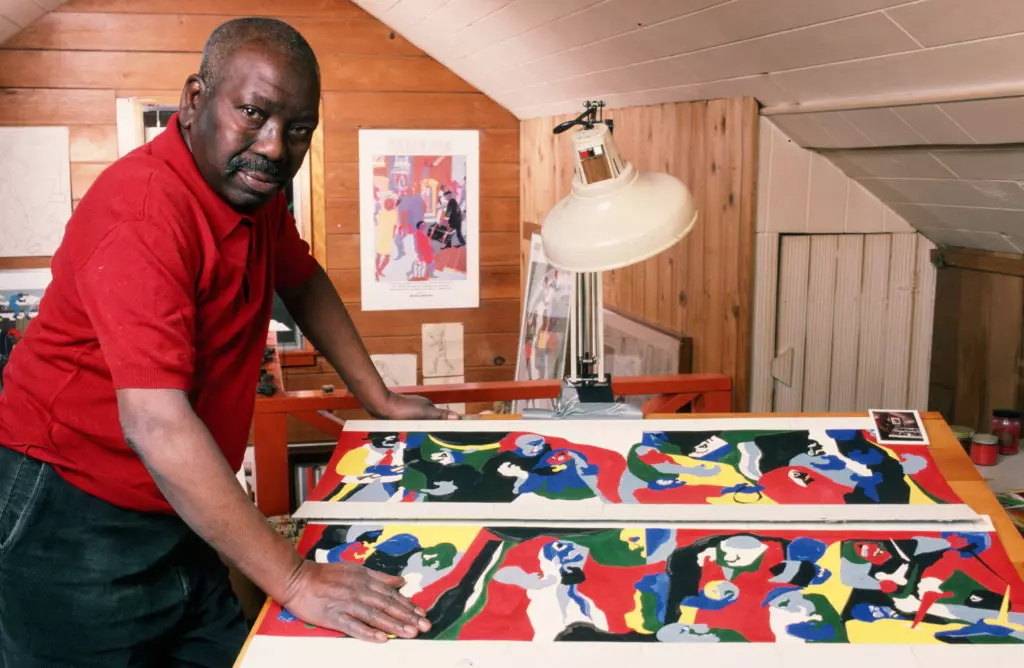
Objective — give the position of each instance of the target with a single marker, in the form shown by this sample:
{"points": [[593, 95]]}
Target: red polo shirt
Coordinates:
{"points": [[158, 283]]}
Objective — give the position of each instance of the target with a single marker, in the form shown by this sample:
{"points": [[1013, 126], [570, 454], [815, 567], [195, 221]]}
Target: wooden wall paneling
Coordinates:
{"points": [[766, 286], [95, 69], [942, 369], [820, 312], [91, 31], [972, 348], [324, 9], [93, 143], [692, 295], [1004, 328], [899, 318], [83, 174], [923, 319], [51, 106], [660, 305], [715, 231], [688, 147], [748, 197], [493, 315], [794, 268], [396, 110], [496, 145], [871, 359], [846, 323]]}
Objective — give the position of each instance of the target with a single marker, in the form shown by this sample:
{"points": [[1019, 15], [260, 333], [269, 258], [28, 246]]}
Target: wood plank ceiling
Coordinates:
{"points": [[919, 101]]}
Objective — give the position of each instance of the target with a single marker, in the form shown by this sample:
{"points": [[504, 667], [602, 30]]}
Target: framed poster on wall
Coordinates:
{"points": [[419, 219]]}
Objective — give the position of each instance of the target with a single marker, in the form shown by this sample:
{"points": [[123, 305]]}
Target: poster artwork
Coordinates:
{"points": [[658, 585], [419, 219], [21, 293], [747, 467], [544, 328]]}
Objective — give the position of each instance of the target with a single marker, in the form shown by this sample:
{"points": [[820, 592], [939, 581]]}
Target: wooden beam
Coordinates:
{"points": [[979, 260]]}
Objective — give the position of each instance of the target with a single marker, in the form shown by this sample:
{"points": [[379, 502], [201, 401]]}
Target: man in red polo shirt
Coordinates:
{"points": [[127, 404]]}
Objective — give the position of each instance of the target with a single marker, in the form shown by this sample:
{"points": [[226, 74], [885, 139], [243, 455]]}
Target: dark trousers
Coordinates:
{"points": [[87, 584]]}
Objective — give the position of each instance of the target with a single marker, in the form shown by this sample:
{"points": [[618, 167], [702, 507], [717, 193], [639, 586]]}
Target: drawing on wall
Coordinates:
{"points": [[35, 190], [442, 350], [895, 427], [21, 292], [419, 219], [396, 370], [660, 585], [544, 325], [451, 380], [529, 463]]}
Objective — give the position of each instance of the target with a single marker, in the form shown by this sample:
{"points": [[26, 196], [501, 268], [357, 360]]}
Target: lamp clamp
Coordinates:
{"points": [[593, 114]]}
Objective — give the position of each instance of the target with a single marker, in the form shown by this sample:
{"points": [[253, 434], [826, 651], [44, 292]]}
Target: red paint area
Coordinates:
{"points": [[782, 488]]}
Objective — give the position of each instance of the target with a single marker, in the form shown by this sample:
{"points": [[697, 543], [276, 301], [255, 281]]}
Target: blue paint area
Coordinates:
{"points": [[869, 485], [653, 439], [656, 584], [742, 488], [828, 463], [285, 616], [702, 602], [806, 549], [656, 538], [841, 434], [399, 544], [968, 543], [867, 612], [811, 631], [554, 483], [665, 483], [979, 628]]}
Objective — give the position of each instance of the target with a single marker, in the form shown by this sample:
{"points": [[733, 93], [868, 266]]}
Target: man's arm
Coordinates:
{"points": [[323, 319], [190, 470]]}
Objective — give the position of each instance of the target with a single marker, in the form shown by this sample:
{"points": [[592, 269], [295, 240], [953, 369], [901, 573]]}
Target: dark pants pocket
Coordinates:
{"points": [[21, 481]]}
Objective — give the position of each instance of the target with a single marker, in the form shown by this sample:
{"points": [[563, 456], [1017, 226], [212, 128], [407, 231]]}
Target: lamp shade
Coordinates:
{"points": [[615, 216]]}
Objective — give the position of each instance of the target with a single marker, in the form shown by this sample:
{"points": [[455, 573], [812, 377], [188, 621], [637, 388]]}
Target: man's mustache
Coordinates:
{"points": [[253, 164]]}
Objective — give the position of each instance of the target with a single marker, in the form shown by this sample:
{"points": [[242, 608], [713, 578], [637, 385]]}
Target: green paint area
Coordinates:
{"points": [[608, 549]]}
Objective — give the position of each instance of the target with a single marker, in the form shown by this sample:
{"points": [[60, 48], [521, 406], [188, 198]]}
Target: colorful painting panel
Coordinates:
{"points": [[651, 585], [753, 466]]}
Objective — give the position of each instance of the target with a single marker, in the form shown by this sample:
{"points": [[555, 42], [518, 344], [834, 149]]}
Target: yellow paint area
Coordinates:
{"points": [[635, 618], [687, 615], [463, 448], [894, 632], [636, 539], [1004, 614], [352, 463], [459, 536], [832, 589]]}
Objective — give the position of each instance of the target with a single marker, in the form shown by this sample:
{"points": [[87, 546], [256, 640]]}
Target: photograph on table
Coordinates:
{"points": [[21, 293], [419, 219], [745, 461], [544, 325], [663, 585], [899, 426]]}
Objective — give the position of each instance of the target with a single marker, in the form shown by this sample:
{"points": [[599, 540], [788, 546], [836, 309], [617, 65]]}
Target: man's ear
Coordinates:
{"points": [[191, 97]]}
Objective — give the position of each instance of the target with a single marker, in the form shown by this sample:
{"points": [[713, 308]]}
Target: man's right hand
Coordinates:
{"points": [[354, 600]]}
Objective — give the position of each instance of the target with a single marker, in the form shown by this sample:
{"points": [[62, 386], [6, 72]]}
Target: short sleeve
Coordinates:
{"points": [[138, 291], [293, 262]]}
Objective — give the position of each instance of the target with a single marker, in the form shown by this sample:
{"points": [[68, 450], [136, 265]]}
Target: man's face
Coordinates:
{"points": [[250, 134]]}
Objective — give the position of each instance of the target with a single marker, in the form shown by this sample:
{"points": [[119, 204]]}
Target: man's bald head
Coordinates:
{"points": [[261, 33]]}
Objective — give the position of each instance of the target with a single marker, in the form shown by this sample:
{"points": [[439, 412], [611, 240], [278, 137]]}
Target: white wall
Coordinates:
{"points": [[857, 295]]}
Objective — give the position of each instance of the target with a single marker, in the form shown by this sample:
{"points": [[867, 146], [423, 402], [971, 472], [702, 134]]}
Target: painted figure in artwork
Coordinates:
{"points": [[387, 220]]}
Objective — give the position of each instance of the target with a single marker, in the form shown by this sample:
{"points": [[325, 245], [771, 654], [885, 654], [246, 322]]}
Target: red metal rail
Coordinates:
{"points": [[700, 393]]}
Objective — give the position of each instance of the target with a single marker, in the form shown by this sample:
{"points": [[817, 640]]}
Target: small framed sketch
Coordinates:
{"points": [[289, 337], [897, 427]]}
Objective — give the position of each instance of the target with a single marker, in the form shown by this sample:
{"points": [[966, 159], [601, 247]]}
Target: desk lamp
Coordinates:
{"points": [[615, 216]]}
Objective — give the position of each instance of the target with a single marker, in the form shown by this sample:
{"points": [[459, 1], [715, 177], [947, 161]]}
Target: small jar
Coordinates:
{"points": [[985, 450], [963, 434], [1006, 427]]}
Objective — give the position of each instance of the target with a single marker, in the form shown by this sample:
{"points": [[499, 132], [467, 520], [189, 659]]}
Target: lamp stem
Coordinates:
{"points": [[574, 327]]}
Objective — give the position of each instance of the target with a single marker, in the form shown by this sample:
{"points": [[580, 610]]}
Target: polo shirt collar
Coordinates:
{"points": [[170, 147]]}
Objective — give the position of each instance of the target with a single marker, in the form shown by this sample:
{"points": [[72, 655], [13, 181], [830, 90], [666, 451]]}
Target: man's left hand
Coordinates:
{"points": [[412, 407]]}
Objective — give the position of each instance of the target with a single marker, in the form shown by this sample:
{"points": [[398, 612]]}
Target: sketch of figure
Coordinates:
{"points": [[437, 356]]}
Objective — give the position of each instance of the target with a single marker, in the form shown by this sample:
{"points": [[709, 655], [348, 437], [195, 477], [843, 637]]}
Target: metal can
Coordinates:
{"points": [[1006, 426], [985, 450]]}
